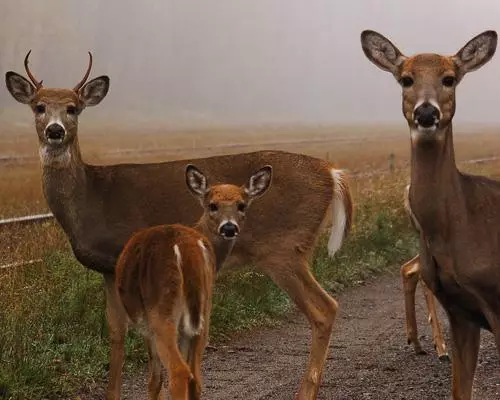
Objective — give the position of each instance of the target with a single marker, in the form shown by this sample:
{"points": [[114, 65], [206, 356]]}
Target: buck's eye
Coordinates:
{"points": [[213, 207], [448, 81], [71, 110], [40, 108], [242, 207], [406, 81]]}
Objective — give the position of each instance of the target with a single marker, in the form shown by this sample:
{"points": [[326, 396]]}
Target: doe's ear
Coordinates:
{"points": [[380, 51], [94, 91], [196, 181], [19, 87], [259, 182], [477, 52]]}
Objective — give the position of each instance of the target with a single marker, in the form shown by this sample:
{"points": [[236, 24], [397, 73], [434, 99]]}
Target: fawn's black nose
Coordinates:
{"points": [[229, 230], [426, 115], [55, 132]]}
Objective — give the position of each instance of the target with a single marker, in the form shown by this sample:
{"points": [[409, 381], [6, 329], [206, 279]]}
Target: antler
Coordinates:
{"points": [[37, 84], [82, 82]]}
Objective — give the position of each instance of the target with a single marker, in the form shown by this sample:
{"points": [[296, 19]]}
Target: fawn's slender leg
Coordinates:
{"points": [[155, 380], [197, 348], [179, 374]]}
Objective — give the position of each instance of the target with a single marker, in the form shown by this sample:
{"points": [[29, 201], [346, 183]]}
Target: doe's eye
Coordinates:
{"points": [[406, 81], [242, 207], [213, 207], [448, 81], [71, 110], [40, 108]]}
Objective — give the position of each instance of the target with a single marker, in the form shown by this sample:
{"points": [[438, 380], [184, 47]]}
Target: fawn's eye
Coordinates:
{"points": [[242, 207], [448, 81], [406, 81], [71, 110], [213, 207], [40, 108]]}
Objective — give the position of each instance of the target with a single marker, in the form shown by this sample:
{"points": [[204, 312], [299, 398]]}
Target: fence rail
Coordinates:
{"points": [[24, 220], [27, 219]]}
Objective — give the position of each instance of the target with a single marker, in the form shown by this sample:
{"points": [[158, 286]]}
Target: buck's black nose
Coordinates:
{"points": [[229, 230], [426, 115], [55, 132]]}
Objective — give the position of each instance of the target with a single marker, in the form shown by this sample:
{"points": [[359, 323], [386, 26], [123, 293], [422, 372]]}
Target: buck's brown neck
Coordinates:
{"points": [[221, 246], [435, 182], [64, 184]]}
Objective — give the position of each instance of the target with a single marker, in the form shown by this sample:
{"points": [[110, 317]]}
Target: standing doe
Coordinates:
{"points": [[100, 207], [164, 278], [458, 214]]}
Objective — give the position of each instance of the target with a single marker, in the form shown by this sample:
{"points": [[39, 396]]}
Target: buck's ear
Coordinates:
{"points": [[196, 181], [259, 182], [19, 87], [381, 51], [477, 52], [94, 91]]}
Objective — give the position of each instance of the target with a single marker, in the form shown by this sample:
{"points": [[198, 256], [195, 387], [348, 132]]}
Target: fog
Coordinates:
{"points": [[243, 62]]}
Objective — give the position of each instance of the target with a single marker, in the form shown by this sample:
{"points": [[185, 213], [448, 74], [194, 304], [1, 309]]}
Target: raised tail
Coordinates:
{"points": [[342, 211]]}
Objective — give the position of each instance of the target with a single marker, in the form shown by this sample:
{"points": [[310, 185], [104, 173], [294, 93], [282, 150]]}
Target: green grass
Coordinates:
{"points": [[53, 339]]}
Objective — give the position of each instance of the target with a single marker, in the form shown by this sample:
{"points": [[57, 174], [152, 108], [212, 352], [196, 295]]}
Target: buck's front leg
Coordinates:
{"points": [[465, 340], [320, 309], [117, 323]]}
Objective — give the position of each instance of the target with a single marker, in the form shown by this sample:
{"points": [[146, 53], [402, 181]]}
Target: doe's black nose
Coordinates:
{"points": [[55, 131], [427, 115], [229, 230]]}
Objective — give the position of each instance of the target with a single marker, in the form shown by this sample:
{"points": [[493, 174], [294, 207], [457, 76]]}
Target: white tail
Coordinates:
{"points": [[342, 211]]}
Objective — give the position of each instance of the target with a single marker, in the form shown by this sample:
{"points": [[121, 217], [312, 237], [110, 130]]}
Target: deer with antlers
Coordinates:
{"points": [[165, 276], [458, 214], [100, 207], [411, 276]]}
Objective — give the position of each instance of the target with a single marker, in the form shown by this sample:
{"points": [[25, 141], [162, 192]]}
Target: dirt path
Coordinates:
{"points": [[369, 358]]}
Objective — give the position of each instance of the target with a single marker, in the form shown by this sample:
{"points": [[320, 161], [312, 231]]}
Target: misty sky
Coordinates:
{"points": [[245, 61]]}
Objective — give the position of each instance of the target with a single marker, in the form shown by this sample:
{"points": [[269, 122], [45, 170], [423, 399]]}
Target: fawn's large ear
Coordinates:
{"points": [[381, 51], [19, 87], [196, 181], [477, 52], [259, 182], [94, 91]]}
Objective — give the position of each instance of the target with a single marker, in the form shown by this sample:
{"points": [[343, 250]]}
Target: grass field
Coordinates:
{"points": [[53, 337]]}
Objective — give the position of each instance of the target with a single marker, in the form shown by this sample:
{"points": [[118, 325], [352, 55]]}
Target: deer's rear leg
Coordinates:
{"points": [[410, 275], [294, 276], [117, 324], [195, 351], [155, 380], [437, 331], [179, 374]]}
